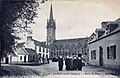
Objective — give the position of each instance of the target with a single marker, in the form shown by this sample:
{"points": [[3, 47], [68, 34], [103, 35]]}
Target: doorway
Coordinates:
{"points": [[7, 60], [100, 56], [25, 58]]}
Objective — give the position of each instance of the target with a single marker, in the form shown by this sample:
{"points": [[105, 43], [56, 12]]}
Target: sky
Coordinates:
{"points": [[75, 18]]}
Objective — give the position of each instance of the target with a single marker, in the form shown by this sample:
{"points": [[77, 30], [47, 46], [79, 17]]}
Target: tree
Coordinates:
{"points": [[15, 15]]}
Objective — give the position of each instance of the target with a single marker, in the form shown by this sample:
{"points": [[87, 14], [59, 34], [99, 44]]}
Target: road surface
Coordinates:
{"points": [[51, 71]]}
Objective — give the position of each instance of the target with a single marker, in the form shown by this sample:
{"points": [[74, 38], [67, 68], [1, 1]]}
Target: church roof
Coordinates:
{"points": [[74, 39], [70, 41]]}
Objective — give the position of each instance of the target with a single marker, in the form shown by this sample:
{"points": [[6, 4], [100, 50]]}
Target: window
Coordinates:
{"points": [[43, 49], [46, 56], [39, 49], [39, 54], [46, 50], [111, 52], [93, 55], [20, 57], [43, 55]]}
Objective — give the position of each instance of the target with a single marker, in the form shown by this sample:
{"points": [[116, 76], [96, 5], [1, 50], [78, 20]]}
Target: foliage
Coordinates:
{"points": [[15, 15]]}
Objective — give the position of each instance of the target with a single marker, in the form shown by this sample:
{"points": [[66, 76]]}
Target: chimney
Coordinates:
{"points": [[99, 32], [104, 25], [29, 38]]}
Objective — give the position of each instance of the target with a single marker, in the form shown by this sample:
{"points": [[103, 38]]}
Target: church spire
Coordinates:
{"points": [[51, 13], [51, 21]]}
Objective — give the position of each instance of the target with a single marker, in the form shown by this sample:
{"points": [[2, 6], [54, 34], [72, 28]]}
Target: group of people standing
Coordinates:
{"points": [[71, 63], [42, 60]]}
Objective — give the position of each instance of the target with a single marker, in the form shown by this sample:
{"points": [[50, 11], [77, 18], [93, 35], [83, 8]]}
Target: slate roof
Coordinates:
{"points": [[118, 19], [31, 51], [65, 42], [21, 51], [42, 44], [13, 54], [116, 30], [75, 40], [20, 44]]}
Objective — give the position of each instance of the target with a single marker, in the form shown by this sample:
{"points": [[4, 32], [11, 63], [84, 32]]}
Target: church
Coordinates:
{"points": [[64, 47]]}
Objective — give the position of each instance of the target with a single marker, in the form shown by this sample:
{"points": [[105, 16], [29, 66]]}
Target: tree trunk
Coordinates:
{"points": [[0, 50], [0, 60]]}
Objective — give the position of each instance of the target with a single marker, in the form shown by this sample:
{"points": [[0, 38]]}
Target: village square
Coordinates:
{"points": [[98, 53]]}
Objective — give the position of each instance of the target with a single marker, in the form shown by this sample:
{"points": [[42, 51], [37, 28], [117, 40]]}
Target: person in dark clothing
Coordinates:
{"points": [[79, 61], [67, 63], [71, 63], [60, 63], [43, 60], [47, 60], [75, 64]]}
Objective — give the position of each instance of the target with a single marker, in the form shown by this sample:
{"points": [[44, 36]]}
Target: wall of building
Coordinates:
{"points": [[41, 52], [29, 43], [14, 59], [104, 43], [19, 58], [69, 47]]}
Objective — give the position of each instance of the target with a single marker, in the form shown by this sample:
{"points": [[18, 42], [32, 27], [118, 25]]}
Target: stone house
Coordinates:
{"points": [[104, 45]]}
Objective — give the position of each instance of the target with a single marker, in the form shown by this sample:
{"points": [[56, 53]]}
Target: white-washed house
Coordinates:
{"points": [[22, 54], [29, 51], [19, 55], [40, 48]]}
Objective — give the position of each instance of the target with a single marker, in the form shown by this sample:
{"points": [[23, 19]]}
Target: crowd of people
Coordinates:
{"points": [[71, 63], [43, 60]]}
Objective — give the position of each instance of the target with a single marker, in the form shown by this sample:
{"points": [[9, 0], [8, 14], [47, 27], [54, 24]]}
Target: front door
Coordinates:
{"points": [[25, 58], [6, 60], [100, 56]]}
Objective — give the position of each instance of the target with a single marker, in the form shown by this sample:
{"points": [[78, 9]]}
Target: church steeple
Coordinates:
{"points": [[51, 27], [51, 13], [51, 21]]}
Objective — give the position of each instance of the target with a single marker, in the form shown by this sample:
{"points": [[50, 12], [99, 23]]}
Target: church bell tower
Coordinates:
{"points": [[51, 27]]}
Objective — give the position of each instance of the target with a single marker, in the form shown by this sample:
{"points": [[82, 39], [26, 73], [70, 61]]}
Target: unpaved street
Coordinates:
{"points": [[51, 71]]}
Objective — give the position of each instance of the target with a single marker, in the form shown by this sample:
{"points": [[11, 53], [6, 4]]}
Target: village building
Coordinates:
{"points": [[29, 51], [19, 55], [40, 47], [104, 45]]}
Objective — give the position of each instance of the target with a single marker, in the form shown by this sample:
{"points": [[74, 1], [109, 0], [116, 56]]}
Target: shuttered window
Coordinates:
{"points": [[93, 55], [111, 52]]}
